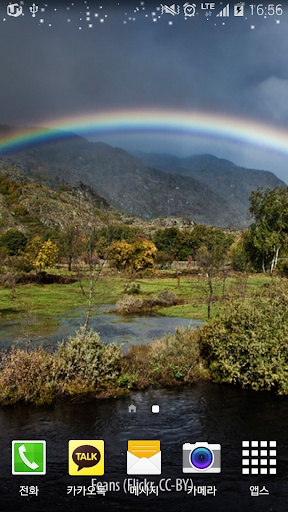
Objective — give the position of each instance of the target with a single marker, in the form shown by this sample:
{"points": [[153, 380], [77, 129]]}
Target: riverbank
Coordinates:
{"points": [[84, 368], [245, 344]]}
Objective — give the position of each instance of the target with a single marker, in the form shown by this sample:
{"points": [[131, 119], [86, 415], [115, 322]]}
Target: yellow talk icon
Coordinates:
{"points": [[86, 457]]}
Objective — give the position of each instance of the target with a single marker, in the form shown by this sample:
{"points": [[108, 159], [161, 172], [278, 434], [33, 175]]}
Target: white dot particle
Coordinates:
{"points": [[170, 23], [80, 28], [90, 26], [68, 21], [277, 21], [42, 21], [102, 20], [252, 26]]}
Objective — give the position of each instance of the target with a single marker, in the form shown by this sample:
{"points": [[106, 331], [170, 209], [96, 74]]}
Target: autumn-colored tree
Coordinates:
{"points": [[138, 255], [47, 255], [32, 249], [40, 254]]}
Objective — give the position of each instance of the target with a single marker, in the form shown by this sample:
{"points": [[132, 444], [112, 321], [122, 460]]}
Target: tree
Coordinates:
{"points": [[14, 241], [40, 254], [269, 232], [212, 262], [47, 255], [237, 253], [138, 255], [72, 244]]}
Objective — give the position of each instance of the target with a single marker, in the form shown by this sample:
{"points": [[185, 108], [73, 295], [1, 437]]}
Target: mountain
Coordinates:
{"points": [[222, 176], [204, 188]]}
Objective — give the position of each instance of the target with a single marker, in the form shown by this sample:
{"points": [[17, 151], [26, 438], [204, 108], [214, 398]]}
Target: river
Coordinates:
{"points": [[203, 413], [112, 327]]}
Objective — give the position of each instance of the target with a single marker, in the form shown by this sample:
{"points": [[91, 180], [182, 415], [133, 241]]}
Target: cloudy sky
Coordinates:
{"points": [[134, 55]]}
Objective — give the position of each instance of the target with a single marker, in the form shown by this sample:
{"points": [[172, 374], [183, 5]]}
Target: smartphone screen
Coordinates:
{"points": [[126, 128]]}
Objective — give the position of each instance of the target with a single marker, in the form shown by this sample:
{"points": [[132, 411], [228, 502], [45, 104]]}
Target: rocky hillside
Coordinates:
{"points": [[222, 176], [30, 206], [204, 189]]}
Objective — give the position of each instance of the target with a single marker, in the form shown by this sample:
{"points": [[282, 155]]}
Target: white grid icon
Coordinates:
{"points": [[259, 457]]}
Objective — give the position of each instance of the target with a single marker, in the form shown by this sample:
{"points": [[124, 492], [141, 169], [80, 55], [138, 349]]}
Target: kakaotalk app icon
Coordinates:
{"points": [[86, 457]]}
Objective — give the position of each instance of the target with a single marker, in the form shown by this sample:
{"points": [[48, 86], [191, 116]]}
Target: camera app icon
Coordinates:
{"points": [[201, 458]]}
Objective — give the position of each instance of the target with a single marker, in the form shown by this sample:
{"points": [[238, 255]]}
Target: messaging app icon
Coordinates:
{"points": [[86, 457], [143, 458], [28, 457]]}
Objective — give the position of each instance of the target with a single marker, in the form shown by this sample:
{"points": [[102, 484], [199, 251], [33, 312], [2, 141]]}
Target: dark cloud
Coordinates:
{"points": [[48, 73]]}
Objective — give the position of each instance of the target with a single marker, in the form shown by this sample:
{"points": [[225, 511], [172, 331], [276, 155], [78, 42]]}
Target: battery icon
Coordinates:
{"points": [[239, 9]]}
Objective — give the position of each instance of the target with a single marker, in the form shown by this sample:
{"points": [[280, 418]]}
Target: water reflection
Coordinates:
{"points": [[111, 327]]}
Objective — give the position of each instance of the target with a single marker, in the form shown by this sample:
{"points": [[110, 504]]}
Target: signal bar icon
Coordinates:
{"points": [[224, 12]]}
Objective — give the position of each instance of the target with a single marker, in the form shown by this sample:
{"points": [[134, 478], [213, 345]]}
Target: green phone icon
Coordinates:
{"points": [[28, 457]]}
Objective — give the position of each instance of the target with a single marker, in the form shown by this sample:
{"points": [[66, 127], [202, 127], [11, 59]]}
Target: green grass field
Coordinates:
{"points": [[53, 299]]}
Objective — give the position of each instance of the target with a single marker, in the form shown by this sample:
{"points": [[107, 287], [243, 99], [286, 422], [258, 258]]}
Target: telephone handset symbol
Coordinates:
{"points": [[31, 465]]}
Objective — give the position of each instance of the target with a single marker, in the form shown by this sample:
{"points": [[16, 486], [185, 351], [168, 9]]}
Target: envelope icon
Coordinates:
{"points": [[143, 458]]}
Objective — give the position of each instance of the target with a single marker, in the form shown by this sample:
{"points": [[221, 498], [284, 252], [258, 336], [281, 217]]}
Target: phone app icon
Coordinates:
{"points": [[143, 458], [28, 457], [86, 457]]}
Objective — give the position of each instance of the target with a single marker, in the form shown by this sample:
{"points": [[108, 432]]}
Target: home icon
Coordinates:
{"points": [[132, 408]]}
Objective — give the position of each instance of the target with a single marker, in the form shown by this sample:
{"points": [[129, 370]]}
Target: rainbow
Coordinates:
{"points": [[174, 122]]}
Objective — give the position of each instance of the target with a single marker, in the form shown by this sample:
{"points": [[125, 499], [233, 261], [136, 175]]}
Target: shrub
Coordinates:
{"points": [[174, 359], [167, 298], [7, 280], [26, 376], [89, 360], [133, 289], [129, 304], [78, 367], [247, 342]]}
